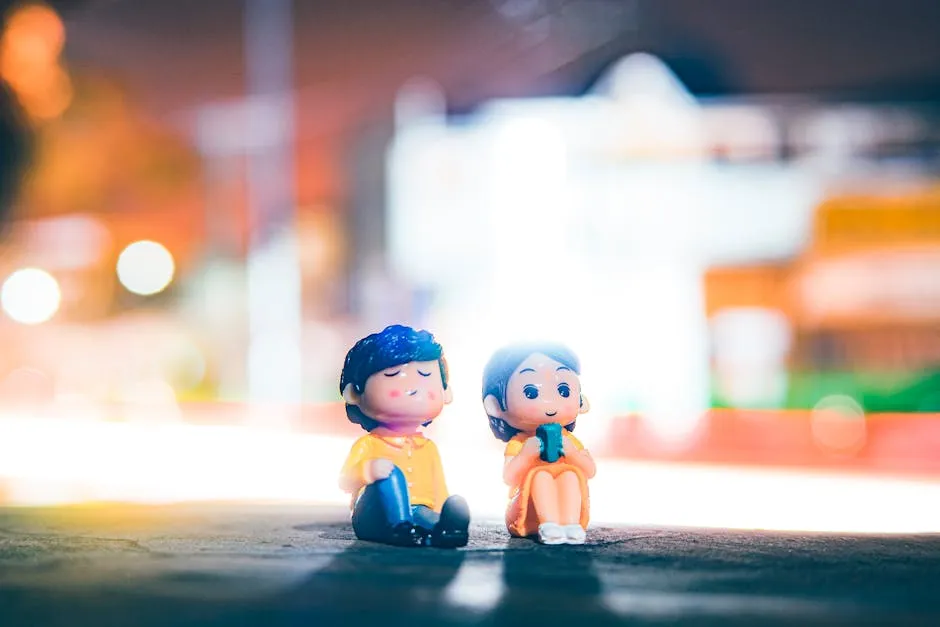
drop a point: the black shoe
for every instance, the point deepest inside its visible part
(406, 534)
(425, 534)
(451, 530)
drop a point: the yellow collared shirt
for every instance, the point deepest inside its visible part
(416, 456)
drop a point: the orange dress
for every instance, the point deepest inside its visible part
(521, 519)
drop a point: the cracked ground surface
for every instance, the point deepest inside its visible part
(227, 565)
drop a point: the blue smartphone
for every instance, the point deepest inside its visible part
(552, 442)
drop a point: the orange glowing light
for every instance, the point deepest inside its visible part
(29, 61)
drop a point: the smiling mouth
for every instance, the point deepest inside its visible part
(550, 414)
(411, 392)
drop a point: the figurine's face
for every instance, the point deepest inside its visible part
(406, 395)
(542, 390)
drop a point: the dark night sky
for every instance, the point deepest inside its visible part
(176, 52)
(352, 55)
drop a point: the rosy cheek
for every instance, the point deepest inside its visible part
(394, 393)
(432, 396)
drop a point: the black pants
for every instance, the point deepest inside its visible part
(384, 504)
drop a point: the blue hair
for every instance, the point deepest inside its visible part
(393, 346)
(504, 362)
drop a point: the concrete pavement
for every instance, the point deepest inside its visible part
(228, 565)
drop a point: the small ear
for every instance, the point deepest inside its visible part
(448, 395)
(585, 405)
(491, 405)
(349, 395)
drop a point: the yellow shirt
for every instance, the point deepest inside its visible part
(514, 447)
(416, 456)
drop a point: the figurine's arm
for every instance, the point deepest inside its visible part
(361, 468)
(440, 485)
(579, 456)
(517, 465)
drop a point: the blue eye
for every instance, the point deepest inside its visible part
(530, 391)
(564, 390)
(424, 374)
(392, 374)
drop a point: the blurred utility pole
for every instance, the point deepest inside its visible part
(273, 272)
(259, 128)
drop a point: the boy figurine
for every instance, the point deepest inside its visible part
(394, 383)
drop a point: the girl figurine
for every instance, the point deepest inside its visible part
(532, 396)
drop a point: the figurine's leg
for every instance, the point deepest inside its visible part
(383, 512)
(425, 517)
(545, 501)
(452, 525)
(569, 498)
(545, 497)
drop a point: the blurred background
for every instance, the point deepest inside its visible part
(730, 210)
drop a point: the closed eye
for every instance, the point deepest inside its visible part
(392, 374)
(424, 374)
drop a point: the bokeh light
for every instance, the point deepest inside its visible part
(838, 424)
(30, 296)
(145, 267)
(29, 61)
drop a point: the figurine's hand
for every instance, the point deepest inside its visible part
(569, 447)
(580, 457)
(532, 447)
(379, 469)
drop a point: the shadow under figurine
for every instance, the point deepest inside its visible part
(394, 383)
(532, 396)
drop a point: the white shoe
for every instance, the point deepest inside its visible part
(551, 533)
(574, 534)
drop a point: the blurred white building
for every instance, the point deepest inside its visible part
(591, 220)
